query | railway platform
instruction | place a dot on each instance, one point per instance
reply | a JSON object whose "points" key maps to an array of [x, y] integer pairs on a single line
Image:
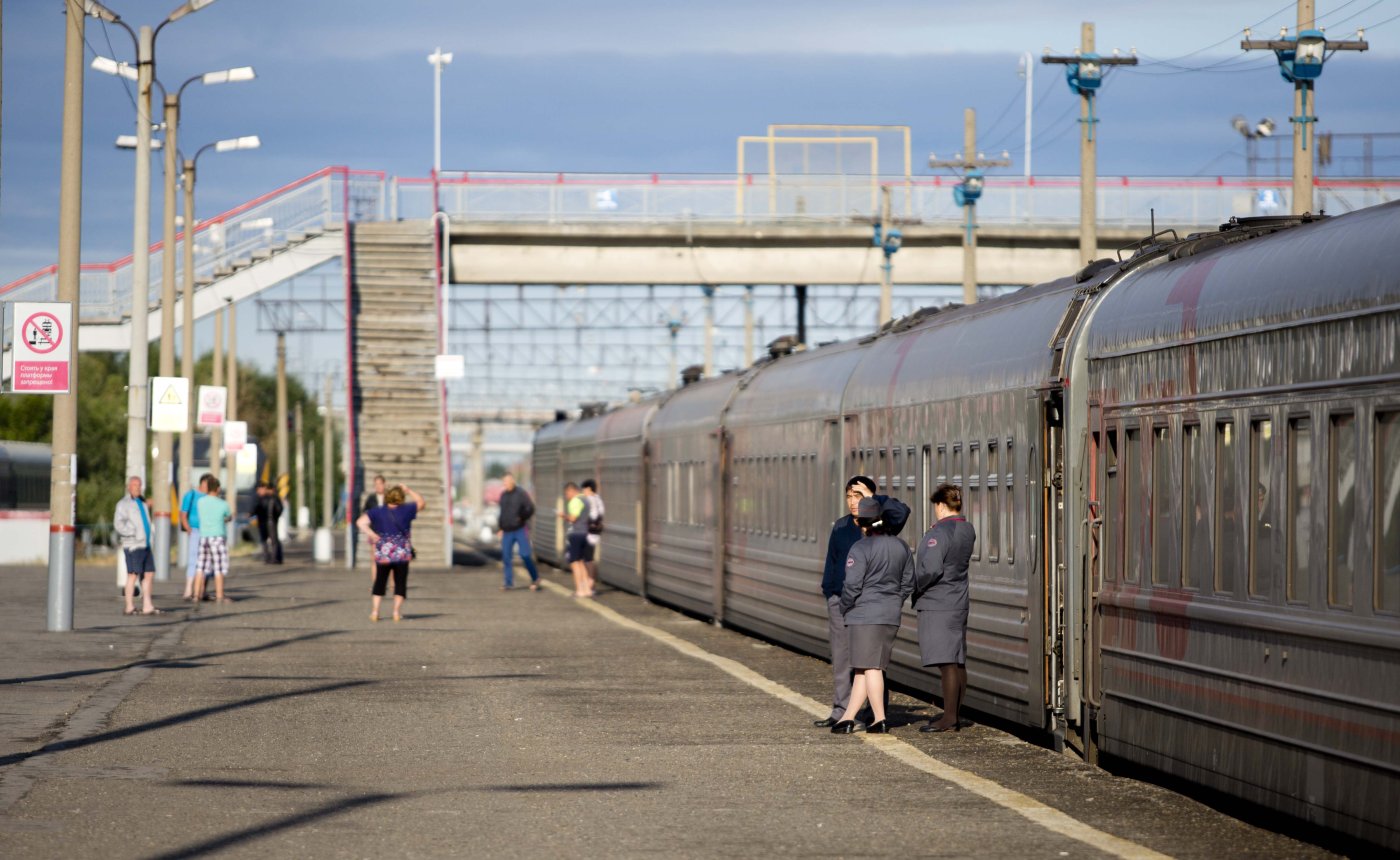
{"points": [[504, 724]]}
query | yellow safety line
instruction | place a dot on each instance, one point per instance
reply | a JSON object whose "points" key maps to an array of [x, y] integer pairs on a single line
{"points": [[1046, 816]]}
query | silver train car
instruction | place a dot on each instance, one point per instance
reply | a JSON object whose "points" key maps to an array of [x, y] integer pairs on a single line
{"points": [[1183, 467]]}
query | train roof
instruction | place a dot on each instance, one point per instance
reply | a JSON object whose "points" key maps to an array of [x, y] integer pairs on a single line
{"points": [[695, 406], [1211, 286], [795, 386]]}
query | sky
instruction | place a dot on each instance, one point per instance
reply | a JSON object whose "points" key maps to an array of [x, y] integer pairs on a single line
{"points": [[648, 86]]}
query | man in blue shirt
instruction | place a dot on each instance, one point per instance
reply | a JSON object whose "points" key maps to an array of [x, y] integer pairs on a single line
{"points": [[189, 523]]}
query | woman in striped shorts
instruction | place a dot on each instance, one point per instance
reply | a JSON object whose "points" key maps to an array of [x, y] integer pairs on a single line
{"points": [[213, 548]]}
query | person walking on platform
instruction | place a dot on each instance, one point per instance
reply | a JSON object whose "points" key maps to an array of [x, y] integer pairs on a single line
{"points": [[189, 523], [596, 509], [132, 523], [214, 512], [940, 596], [373, 499], [516, 509], [879, 578], [844, 534], [577, 551], [389, 528], [269, 510]]}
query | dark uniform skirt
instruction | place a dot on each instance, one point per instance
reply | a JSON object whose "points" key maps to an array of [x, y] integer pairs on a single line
{"points": [[871, 645], [942, 636]]}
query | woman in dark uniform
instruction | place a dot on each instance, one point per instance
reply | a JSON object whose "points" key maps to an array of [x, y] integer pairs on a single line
{"points": [[879, 577], [940, 596]]}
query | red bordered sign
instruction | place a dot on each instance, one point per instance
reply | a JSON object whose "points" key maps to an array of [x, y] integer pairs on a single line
{"points": [[43, 348]]}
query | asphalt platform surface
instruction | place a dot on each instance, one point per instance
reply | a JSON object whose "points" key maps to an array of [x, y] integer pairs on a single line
{"points": [[503, 724]]}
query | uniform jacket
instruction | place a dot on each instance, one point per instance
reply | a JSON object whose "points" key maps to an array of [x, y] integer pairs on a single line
{"points": [[942, 556], [516, 509], [126, 522], [879, 578], [844, 534]]}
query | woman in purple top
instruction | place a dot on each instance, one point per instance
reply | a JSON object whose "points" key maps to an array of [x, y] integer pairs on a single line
{"points": [[389, 528]]}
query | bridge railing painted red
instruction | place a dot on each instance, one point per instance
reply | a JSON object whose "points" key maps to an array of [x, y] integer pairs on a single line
{"points": [[312, 203]]}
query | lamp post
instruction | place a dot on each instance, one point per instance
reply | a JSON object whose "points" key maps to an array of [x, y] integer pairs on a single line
{"points": [[187, 179], [1251, 134], [1028, 71], [438, 59], [1300, 63], [138, 371]]}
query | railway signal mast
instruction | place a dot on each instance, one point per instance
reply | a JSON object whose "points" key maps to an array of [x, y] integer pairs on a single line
{"points": [[966, 193], [1084, 71], [1300, 61]]}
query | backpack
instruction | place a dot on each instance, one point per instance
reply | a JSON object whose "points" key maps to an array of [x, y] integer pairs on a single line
{"points": [[595, 518]]}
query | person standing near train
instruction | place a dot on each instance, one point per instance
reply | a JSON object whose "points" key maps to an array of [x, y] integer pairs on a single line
{"points": [[879, 578], [941, 598], [516, 509], [577, 551], [844, 534]]}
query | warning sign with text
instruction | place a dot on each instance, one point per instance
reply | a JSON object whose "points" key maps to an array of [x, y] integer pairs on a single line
{"points": [[170, 404], [213, 404], [43, 347]]}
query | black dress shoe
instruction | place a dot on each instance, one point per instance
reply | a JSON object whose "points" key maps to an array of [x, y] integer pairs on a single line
{"points": [[845, 727], [825, 724], [880, 728], [934, 727]]}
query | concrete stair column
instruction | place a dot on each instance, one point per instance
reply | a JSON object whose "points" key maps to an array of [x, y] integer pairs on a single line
{"points": [[397, 402]]}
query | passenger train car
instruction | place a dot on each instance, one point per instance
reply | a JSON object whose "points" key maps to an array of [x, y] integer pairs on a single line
{"points": [[1183, 467], [24, 502]]}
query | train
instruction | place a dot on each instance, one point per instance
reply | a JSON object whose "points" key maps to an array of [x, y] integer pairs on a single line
{"points": [[1183, 467], [24, 502]]}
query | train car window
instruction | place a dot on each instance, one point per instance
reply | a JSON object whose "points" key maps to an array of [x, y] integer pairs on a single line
{"points": [[882, 471], [920, 504], [691, 499], [1262, 510], [1166, 516], [1010, 537], [956, 474], [1112, 507], [942, 466], [1196, 553], [1230, 542], [1387, 505], [1299, 517], [993, 509], [1135, 526], [1341, 510]]}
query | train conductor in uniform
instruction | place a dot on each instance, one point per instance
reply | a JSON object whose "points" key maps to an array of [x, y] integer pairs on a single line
{"points": [[844, 533], [940, 596]]}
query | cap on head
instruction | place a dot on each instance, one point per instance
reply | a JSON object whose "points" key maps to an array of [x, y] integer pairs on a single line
{"points": [[869, 509]]}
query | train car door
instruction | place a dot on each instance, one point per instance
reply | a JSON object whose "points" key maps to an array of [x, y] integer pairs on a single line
{"points": [[1087, 632], [1053, 463]]}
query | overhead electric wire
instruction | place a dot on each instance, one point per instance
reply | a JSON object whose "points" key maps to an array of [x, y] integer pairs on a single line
{"points": [[1362, 11], [126, 85], [1230, 37]]}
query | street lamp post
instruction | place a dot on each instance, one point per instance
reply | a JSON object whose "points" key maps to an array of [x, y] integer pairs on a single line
{"points": [[966, 194], [1252, 134], [138, 371], [438, 59], [889, 241], [187, 179]]}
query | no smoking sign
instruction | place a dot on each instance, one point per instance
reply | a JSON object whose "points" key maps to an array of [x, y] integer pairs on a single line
{"points": [[43, 349]]}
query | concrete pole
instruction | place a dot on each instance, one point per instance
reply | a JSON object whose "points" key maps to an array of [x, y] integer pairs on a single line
{"points": [[476, 487], [887, 271], [284, 467], [1088, 163], [1303, 106], [184, 477], [970, 233], [709, 330], [748, 326], [63, 477], [138, 360], [161, 485], [301, 521], [216, 436], [1030, 93], [231, 467], [327, 464]]}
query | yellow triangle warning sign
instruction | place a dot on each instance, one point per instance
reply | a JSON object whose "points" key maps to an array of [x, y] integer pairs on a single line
{"points": [[171, 397]]}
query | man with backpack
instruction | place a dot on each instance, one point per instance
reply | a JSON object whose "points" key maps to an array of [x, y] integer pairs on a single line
{"points": [[595, 528]]}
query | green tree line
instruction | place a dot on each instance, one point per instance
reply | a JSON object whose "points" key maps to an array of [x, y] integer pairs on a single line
{"points": [[102, 379]]}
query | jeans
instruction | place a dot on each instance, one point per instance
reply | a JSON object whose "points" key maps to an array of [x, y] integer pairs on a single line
{"points": [[191, 553], [509, 540]]}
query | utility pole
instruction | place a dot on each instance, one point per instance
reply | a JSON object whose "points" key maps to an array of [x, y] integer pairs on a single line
{"points": [[283, 466], [889, 248], [1028, 65], [709, 292], [748, 326], [1300, 59], [161, 486], [184, 475], [301, 471], [63, 468], [1085, 76], [438, 59], [216, 435], [327, 459], [971, 162], [138, 361]]}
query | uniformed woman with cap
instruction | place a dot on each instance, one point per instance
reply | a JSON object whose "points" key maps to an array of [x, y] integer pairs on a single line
{"points": [[879, 578], [940, 596]]}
